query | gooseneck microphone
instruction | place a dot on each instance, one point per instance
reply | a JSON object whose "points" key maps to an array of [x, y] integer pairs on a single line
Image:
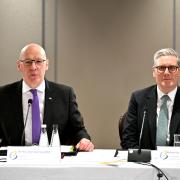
{"points": [[140, 155], [25, 122], [142, 128]]}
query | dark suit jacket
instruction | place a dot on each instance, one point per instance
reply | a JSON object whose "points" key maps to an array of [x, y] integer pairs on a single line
{"points": [[60, 108], [146, 99]]}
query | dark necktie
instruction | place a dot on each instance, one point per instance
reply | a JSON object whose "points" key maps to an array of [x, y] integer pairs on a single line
{"points": [[162, 127], [36, 123]]}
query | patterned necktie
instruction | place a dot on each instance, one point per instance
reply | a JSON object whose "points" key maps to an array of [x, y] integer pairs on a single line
{"points": [[36, 123], [162, 127]]}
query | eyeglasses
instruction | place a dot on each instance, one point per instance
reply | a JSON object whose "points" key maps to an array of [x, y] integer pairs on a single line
{"points": [[162, 69], [29, 62]]}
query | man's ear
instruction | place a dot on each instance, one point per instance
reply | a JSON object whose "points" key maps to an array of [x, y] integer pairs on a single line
{"points": [[153, 72], [47, 64], [179, 72], [18, 65]]}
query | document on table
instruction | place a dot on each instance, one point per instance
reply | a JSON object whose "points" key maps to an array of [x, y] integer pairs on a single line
{"points": [[97, 157]]}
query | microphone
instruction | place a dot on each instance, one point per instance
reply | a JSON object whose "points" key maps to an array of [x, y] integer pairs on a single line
{"points": [[140, 155], [142, 128], [23, 134]]}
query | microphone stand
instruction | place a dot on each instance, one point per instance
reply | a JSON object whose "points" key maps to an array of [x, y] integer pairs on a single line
{"points": [[23, 134], [140, 136], [140, 155]]}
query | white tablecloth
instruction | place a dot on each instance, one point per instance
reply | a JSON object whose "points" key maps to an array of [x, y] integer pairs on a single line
{"points": [[96, 165]]}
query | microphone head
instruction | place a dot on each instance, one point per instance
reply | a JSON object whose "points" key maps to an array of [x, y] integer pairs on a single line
{"points": [[29, 101]]}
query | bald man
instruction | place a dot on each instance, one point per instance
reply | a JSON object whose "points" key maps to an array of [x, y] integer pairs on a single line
{"points": [[57, 104]]}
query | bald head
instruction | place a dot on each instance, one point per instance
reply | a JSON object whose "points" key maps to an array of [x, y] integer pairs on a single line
{"points": [[32, 50], [33, 64]]}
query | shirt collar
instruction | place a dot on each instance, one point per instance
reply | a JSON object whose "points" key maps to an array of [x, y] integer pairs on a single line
{"points": [[170, 94], [26, 88]]}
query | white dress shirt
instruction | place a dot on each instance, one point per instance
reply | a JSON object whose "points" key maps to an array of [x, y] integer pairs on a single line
{"points": [[170, 104], [26, 95]]}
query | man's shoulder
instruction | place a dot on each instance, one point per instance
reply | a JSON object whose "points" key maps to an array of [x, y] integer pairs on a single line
{"points": [[178, 93], [57, 86], [8, 88], [145, 91]]}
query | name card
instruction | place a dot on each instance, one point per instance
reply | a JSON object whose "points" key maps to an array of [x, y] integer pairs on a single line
{"points": [[33, 155], [167, 153]]}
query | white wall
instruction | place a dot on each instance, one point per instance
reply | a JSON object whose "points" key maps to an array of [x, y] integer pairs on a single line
{"points": [[105, 51], [21, 23]]}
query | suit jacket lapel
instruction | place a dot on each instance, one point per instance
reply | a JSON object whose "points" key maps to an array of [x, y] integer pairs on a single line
{"points": [[48, 102], [49, 107], [151, 113], [18, 104], [18, 110], [175, 118]]}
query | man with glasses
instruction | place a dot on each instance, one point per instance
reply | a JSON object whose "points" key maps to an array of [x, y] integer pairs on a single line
{"points": [[158, 106], [56, 105]]}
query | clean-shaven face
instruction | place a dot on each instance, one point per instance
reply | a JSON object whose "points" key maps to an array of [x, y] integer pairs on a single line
{"points": [[33, 64], [166, 80]]}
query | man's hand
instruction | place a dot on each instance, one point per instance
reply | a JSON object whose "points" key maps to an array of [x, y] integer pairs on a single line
{"points": [[85, 145]]}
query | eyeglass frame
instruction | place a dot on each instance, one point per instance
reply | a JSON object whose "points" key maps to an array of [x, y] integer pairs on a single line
{"points": [[167, 67], [38, 62]]}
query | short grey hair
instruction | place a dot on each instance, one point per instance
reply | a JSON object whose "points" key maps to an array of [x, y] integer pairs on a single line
{"points": [[166, 52]]}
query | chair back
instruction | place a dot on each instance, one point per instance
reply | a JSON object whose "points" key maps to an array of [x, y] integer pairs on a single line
{"points": [[121, 123]]}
